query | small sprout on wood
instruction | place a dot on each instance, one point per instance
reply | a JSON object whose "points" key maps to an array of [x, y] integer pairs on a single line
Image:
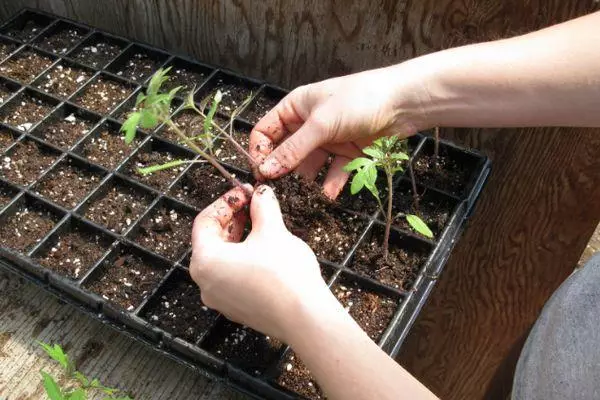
{"points": [[154, 108], [75, 385], [384, 154]]}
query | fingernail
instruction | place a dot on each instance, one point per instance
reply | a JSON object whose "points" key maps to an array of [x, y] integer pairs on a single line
{"points": [[270, 167]]}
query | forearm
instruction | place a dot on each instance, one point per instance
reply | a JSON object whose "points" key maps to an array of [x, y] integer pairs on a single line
{"points": [[546, 78], [346, 363]]}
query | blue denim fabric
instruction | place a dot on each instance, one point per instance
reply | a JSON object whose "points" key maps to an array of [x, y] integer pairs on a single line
{"points": [[561, 357]]}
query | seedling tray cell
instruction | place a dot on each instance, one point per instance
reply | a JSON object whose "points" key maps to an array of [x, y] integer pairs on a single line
{"points": [[80, 221]]}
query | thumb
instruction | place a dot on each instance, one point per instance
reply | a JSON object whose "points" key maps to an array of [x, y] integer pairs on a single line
{"points": [[265, 212], [290, 153]]}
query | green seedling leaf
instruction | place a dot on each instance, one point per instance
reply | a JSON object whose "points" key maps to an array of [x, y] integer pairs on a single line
{"points": [[155, 168], [130, 126], [399, 156], [357, 163], [189, 100], [358, 182], [419, 225], [77, 394], [147, 120], [157, 80], [373, 152], [57, 354], [51, 387], [140, 99], [82, 379], [211, 114]]}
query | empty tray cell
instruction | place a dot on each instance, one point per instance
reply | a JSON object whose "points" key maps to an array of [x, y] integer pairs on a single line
{"points": [[294, 376], [25, 65], [26, 110], [201, 185], [192, 125], [308, 214], [166, 230], [371, 310], [117, 205], [452, 172], [63, 79], [103, 94], [262, 104], [106, 146], [98, 50], [73, 250], [227, 152], [126, 277], [7, 89], [235, 91], [25, 223], [69, 182], [61, 37], [7, 193], [7, 47], [137, 63], [26, 26], [178, 309], [406, 257], [154, 153], [186, 74], [66, 126], [242, 346], [7, 137], [26, 161], [434, 208]]}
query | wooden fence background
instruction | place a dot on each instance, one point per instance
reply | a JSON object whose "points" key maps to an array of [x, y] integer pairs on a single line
{"points": [[537, 212]]}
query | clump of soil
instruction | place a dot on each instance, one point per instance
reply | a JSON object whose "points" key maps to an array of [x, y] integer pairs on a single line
{"points": [[227, 152], [400, 269], [444, 173], [64, 132], [372, 312], [167, 232], [6, 138], [98, 53], [27, 226], [26, 32], [297, 378], [184, 77], [434, 210], [26, 162], [119, 208], [234, 95], [62, 40], [139, 67], [63, 81], [191, 124], [102, 95], [243, 347], [67, 185], [127, 280], [108, 147], [178, 309], [25, 111], [200, 186], [73, 254], [161, 179], [259, 107], [6, 49], [25, 66], [312, 217]]}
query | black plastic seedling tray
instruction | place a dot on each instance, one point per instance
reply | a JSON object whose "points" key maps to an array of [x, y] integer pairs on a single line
{"points": [[32, 31]]}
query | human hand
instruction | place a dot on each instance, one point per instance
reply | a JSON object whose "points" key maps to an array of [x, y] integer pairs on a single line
{"points": [[264, 281], [335, 117]]}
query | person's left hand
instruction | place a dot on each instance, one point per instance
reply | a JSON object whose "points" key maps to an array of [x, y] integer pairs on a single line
{"points": [[267, 280]]}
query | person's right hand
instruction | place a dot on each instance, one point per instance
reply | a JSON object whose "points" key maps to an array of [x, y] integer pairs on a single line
{"points": [[338, 116]]}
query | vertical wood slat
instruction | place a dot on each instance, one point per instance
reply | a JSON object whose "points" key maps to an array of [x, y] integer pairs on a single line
{"points": [[537, 211]]}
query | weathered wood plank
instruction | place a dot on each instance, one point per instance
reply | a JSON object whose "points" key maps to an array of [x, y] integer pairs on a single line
{"points": [[29, 314]]}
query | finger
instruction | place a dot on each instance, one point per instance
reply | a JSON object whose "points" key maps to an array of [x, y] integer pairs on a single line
{"points": [[235, 228], [265, 212], [288, 155], [312, 164], [210, 224], [336, 177]]}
